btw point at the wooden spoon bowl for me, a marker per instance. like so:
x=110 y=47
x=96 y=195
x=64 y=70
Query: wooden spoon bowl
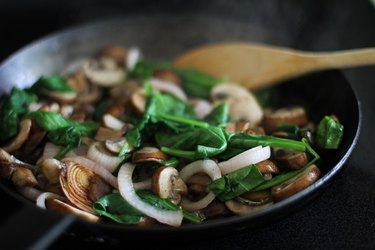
x=256 y=65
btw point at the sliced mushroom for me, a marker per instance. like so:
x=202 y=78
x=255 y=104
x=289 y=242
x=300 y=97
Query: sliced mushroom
x=256 y=198
x=267 y=167
x=116 y=110
x=292 y=115
x=114 y=146
x=61 y=97
x=243 y=104
x=23 y=176
x=241 y=208
x=104 y=73
x=20 y=139
x=291 y=159
x=81 y=185
x=121 y=93
x=112 y=122
x=138 y=101
x=9 y=165
x=57 y=205
x=167 y=184
x=296 y=184
x=167 y=75
x=215 y=208
x=115 y=52
x=148 y=154
x=51 y=169
x=103 y=134
x=168 y=87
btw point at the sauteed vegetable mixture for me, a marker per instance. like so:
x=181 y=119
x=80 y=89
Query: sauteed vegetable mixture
x=120 y=138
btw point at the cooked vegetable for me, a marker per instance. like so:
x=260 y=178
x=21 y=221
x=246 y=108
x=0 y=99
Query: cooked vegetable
x=143 y=143
x=329 y=133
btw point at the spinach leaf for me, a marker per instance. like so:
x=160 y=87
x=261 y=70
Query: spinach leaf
x=62 y=131
x=164 y=109
x=236 y=183
x=219 y=116
x=51 y=83
x=114 y=207
x=12 y=107
x=144 y=69
x=329 y=133
x=197 y=143
x=196 y=83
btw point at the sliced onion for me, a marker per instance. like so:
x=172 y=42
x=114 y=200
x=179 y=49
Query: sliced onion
x=251 y=156
x=29 y=192
x=41 y=200
x=126 y=188
x=97 y=152
x=202 y=108
x=133 y=56
x=50 y=150
x=98 y=169
x=168 y=87
x=206 y=166
x=146 y=184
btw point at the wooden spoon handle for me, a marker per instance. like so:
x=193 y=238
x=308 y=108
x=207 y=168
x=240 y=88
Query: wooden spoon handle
x=343 y=59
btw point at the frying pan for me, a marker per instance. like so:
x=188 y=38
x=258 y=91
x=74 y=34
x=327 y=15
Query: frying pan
x=161 y=37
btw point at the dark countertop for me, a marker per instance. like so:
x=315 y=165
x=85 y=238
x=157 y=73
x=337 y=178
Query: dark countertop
x=343 y=217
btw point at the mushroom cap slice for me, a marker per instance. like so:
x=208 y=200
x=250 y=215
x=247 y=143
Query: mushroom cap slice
x=104 y=73
x=291 y=159
x=291 y=115
x=243 y=209
x=243 y=105
x=115 y=52
x=149 y=154
x=267 y=167
x=296 y=184
x=166 y=183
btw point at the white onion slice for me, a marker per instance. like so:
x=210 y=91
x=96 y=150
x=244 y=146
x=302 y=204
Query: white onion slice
x=96 y=153
x=251 y=156
x=146 y=184
x=168 y=87
x=202 y=108
x=206 y=166
x=29 y=192
x=98 y=169
x=133 y=56
x=50 y=150
x=126 y=188
x=41 y=200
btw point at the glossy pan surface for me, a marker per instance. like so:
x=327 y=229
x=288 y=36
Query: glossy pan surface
x=163 y=38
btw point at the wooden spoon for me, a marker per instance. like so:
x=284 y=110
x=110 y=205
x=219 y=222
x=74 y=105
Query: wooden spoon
x=256 y=66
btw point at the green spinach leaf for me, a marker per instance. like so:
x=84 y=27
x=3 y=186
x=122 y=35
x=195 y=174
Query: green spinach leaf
x=329 y=133
x=219 y=116
x=236 y=183
x=51 y=83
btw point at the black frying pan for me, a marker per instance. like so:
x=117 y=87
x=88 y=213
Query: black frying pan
x=163 y=38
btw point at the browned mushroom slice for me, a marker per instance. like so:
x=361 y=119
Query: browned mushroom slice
x=296 y=184
x=51 y=169
x=242 y=208
x=79 y=183
x=167 y=184
x=138 y=101
x=103 y=134
x=267 y=167
x=23 y=176
x=20 y=139
x=57 y=205
x=114 y=146
x=215 y=208
x=256 y=198
x=116 y=110
x=104 y=73
x=61 y=97
x=291 y=159
x=115 y=52
x=292 y=115
x=167 y=75
x=148 y=154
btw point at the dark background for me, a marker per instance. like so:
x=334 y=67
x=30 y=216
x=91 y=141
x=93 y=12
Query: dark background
x=343 y=217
